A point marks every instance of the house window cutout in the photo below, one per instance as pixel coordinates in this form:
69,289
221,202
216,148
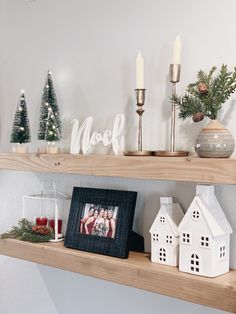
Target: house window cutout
222,251
205,241
155,237
195,215
162,255
162,219
169,239
195,263
186,238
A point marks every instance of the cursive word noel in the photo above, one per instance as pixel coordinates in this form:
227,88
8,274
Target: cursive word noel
82,139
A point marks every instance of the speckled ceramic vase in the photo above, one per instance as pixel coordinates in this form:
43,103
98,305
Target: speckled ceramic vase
214,141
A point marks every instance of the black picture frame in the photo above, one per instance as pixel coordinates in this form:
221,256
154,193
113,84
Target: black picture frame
123,201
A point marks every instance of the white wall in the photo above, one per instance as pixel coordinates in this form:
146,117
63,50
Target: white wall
91,47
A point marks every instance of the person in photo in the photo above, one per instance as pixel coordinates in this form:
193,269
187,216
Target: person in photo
99,228
85,218
89,224
111,224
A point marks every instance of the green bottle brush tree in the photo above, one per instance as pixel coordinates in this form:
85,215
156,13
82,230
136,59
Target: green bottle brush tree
21,129
49,102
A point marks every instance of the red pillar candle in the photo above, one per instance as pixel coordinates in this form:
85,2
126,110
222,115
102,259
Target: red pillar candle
52,224
41,221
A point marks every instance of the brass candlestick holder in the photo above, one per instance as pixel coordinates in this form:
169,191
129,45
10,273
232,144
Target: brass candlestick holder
140,99
174,78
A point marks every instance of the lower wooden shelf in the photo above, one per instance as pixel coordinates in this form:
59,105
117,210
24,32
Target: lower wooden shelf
136,271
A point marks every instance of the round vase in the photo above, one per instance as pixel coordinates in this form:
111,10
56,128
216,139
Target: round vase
214,141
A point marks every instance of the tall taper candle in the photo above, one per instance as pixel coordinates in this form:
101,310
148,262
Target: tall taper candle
177,51
139,71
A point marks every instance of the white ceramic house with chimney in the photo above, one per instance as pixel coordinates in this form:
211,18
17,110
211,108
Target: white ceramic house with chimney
204,236
165,234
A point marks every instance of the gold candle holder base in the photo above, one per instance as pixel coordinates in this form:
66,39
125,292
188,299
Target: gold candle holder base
139,153
167,153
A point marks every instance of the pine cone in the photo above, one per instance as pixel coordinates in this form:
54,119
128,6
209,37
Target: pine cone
198,116
202,88
43,230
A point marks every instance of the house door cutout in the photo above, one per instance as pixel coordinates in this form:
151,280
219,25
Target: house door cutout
195,263
162,255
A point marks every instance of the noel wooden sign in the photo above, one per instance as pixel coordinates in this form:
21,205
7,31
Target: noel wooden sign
83,139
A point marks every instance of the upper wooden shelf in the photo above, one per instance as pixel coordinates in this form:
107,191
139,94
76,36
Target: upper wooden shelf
202,170
136,271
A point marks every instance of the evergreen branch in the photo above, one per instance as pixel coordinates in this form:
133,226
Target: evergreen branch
202,77
24,231
188,105
211,72
24,226
36,238
208,93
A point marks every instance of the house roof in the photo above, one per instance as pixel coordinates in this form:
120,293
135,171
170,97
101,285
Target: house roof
213,215
173,213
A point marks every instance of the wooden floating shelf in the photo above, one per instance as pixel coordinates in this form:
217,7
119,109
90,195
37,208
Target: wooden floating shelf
136,271
191,169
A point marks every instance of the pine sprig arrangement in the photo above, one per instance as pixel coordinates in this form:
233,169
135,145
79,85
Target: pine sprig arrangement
206,96
27,231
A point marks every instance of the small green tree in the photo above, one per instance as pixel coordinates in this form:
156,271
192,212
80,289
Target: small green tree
52,133
49,100
20,129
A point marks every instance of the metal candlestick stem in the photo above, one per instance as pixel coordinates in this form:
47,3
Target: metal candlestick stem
140,96
174,78
140,100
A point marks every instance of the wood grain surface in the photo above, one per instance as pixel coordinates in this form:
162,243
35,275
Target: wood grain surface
191,169
136,271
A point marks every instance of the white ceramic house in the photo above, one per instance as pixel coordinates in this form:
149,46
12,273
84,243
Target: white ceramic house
204,236
164,233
